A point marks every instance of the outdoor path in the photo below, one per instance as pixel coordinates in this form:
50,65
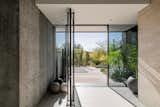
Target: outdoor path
100,97
90,76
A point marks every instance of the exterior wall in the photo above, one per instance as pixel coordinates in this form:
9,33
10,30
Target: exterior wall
9,53
149,54
36,53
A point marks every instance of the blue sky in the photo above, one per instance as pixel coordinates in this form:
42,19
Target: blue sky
89,40
60,39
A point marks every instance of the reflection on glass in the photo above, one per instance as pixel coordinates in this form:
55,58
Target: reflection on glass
115,59
60,40
122,60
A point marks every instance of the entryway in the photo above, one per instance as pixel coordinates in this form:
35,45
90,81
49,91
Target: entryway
112,78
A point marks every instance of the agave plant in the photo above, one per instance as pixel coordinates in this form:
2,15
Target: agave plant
132,59
123,64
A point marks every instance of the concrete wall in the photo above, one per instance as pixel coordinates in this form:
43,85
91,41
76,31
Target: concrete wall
27,53
149,54
9,53
37,45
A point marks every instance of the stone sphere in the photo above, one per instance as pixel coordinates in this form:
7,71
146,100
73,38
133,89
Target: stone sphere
64,87
133,84
55,87
59,80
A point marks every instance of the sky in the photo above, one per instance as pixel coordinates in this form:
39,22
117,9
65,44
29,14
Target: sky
89,40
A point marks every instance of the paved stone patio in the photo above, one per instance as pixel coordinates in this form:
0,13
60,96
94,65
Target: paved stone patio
91,76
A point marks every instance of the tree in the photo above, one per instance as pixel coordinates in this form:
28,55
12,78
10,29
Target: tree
78,53
87,58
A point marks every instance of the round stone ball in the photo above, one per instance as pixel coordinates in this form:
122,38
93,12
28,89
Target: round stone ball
55,87
133,84
64,87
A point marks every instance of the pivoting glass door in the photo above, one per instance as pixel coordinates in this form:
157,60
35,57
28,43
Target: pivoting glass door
123,61
70,56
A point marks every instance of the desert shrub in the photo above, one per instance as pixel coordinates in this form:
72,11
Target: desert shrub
103,70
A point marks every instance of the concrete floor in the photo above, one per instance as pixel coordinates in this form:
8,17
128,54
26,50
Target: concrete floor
92,78
92,91
57,100
126,93
100,97
53,100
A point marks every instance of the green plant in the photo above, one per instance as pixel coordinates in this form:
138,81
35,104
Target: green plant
103,70
116,62
124,64
132,59
94,58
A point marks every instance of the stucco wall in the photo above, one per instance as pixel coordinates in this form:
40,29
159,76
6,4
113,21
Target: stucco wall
149,54
9,53
36,53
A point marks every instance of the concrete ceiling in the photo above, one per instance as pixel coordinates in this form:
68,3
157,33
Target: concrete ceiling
117,28
93,13
92,1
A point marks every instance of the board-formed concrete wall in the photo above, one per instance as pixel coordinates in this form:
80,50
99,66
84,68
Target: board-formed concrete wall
9,53
27,53
37,60
149,54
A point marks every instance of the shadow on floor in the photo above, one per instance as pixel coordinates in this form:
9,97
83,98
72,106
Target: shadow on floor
57,100
53,100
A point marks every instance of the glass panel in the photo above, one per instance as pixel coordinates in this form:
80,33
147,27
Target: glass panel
115,59
118,71
90,58
60,50
122,61
90,55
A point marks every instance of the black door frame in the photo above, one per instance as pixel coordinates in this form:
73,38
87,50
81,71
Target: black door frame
70,57
71,31
72,26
